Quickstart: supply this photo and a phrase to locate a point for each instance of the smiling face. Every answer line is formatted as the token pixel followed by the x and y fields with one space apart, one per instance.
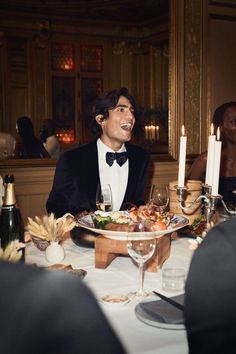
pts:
pixel 229 124
pixel 117 127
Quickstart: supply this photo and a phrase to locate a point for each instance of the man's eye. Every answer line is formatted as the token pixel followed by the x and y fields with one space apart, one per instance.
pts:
pixel 121 109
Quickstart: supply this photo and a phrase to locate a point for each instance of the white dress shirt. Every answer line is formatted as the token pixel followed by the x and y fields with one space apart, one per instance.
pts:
pixel 115 175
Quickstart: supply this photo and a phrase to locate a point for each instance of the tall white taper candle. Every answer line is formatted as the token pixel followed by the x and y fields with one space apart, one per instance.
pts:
pixel 217 157
pixel 182 158
pixel 210 157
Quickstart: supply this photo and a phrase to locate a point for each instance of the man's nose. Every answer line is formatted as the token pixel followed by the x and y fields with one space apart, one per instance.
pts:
pixel 130 114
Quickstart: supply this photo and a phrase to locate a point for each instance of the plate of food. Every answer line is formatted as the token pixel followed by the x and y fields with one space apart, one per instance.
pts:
pixel 117 225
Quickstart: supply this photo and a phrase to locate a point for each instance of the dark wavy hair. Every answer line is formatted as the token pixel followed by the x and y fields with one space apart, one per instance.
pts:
pixel 218 116
pixel 25 127
pixel 29 146
pixel 104 103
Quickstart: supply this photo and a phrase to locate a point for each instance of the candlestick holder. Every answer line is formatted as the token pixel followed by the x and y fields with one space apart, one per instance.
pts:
pixel 209 203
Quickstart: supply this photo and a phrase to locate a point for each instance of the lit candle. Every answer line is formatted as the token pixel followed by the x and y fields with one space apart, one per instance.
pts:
pixel 182 158
pixel 146 132
pixel 157 132
pixel 217 157
pixel 210 157
pixel 149 133
pixel 153 132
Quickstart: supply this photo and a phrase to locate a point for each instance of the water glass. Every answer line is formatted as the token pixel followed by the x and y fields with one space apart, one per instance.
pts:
pixel 173 279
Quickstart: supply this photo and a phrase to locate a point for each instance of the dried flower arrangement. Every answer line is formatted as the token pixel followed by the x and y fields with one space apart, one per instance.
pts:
pixel 49 228
pixel 12 252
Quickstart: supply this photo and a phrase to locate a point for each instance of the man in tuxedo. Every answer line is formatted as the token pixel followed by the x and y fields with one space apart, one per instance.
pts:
pixel 52 312
pixel 80 170
pixel 210 306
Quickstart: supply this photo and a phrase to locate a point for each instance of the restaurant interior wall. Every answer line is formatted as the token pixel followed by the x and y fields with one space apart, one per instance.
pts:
pixel 102 58
pixel 201 77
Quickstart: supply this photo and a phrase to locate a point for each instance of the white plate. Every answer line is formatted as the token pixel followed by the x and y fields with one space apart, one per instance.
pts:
pixel 177 222
pixel 153 316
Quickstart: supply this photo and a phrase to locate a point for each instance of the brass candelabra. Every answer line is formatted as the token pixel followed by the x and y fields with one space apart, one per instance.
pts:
pixel 210 202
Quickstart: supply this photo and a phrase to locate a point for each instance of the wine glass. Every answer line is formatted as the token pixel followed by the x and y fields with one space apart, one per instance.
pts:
pixel 159 197
pixel 140 250
pixel 104 197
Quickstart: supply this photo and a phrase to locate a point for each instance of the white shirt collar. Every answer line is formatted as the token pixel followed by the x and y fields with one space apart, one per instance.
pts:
pixel 104 148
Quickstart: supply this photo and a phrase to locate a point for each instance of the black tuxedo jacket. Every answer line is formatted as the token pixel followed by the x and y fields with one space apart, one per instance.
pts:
pixel 52 312
pixel 210 294
pixel 77 176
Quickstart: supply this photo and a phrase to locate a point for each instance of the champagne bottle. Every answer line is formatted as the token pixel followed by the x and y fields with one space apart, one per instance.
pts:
pixel 11 222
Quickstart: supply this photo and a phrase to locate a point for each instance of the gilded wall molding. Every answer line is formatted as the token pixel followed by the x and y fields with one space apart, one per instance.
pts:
pixel 192 73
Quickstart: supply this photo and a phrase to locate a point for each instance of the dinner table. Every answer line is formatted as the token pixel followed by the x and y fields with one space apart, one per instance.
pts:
pixel 121 277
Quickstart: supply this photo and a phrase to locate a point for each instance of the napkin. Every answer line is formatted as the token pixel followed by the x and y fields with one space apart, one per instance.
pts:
pixel 162 311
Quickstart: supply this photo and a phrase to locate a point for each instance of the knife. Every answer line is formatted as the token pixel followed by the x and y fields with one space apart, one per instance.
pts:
pixel 170 301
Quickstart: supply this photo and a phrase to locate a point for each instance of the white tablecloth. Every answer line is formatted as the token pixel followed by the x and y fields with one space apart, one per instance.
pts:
pixel 121 277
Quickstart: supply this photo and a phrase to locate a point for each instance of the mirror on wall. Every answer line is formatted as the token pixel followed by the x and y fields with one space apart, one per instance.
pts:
pixel 39 81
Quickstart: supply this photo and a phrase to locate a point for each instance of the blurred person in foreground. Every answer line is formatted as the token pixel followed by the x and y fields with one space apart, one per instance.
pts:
pixel 80 170
pixel 225 118
pixel 49 138
pixel 50 311
pixel 210 293
pixel 28 146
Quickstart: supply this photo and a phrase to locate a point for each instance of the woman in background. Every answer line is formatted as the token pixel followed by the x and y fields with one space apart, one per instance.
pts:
pixel 28 147
pixel 49 139
pixel 224 118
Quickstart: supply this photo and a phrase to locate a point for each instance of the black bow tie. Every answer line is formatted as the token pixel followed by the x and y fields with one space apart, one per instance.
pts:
pixel 120 157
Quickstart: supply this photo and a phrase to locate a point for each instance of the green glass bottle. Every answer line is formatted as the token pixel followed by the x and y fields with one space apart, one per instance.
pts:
pixel 11 222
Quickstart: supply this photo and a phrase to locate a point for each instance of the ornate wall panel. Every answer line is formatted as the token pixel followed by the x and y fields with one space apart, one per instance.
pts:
pixel 18 80
pixel 3 74
pixel 192 72
pixel 63 105
pixel 39 83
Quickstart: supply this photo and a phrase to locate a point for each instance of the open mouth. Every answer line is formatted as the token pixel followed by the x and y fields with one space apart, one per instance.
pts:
pixel 127 126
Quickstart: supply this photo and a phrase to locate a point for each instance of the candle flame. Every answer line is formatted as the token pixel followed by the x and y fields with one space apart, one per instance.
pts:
pixel 212 129
pixel 218 133
pixel 183 130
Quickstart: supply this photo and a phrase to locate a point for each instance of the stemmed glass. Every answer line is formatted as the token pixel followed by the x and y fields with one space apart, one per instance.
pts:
pixel 104 197
pixel 140 250
pixel 159 197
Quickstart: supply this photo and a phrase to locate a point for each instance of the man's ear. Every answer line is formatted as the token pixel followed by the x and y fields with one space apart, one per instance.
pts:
pixel 99 118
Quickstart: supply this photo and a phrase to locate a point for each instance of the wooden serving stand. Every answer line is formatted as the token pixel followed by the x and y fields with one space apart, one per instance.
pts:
pixel 107 249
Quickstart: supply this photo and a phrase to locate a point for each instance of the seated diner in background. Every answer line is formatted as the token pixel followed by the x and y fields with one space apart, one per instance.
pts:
pixel 50 311
pixel 49 138
pixel 210 292
pixel 79 171
pixel 7 146
pixel 224 118
pixel 28 146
